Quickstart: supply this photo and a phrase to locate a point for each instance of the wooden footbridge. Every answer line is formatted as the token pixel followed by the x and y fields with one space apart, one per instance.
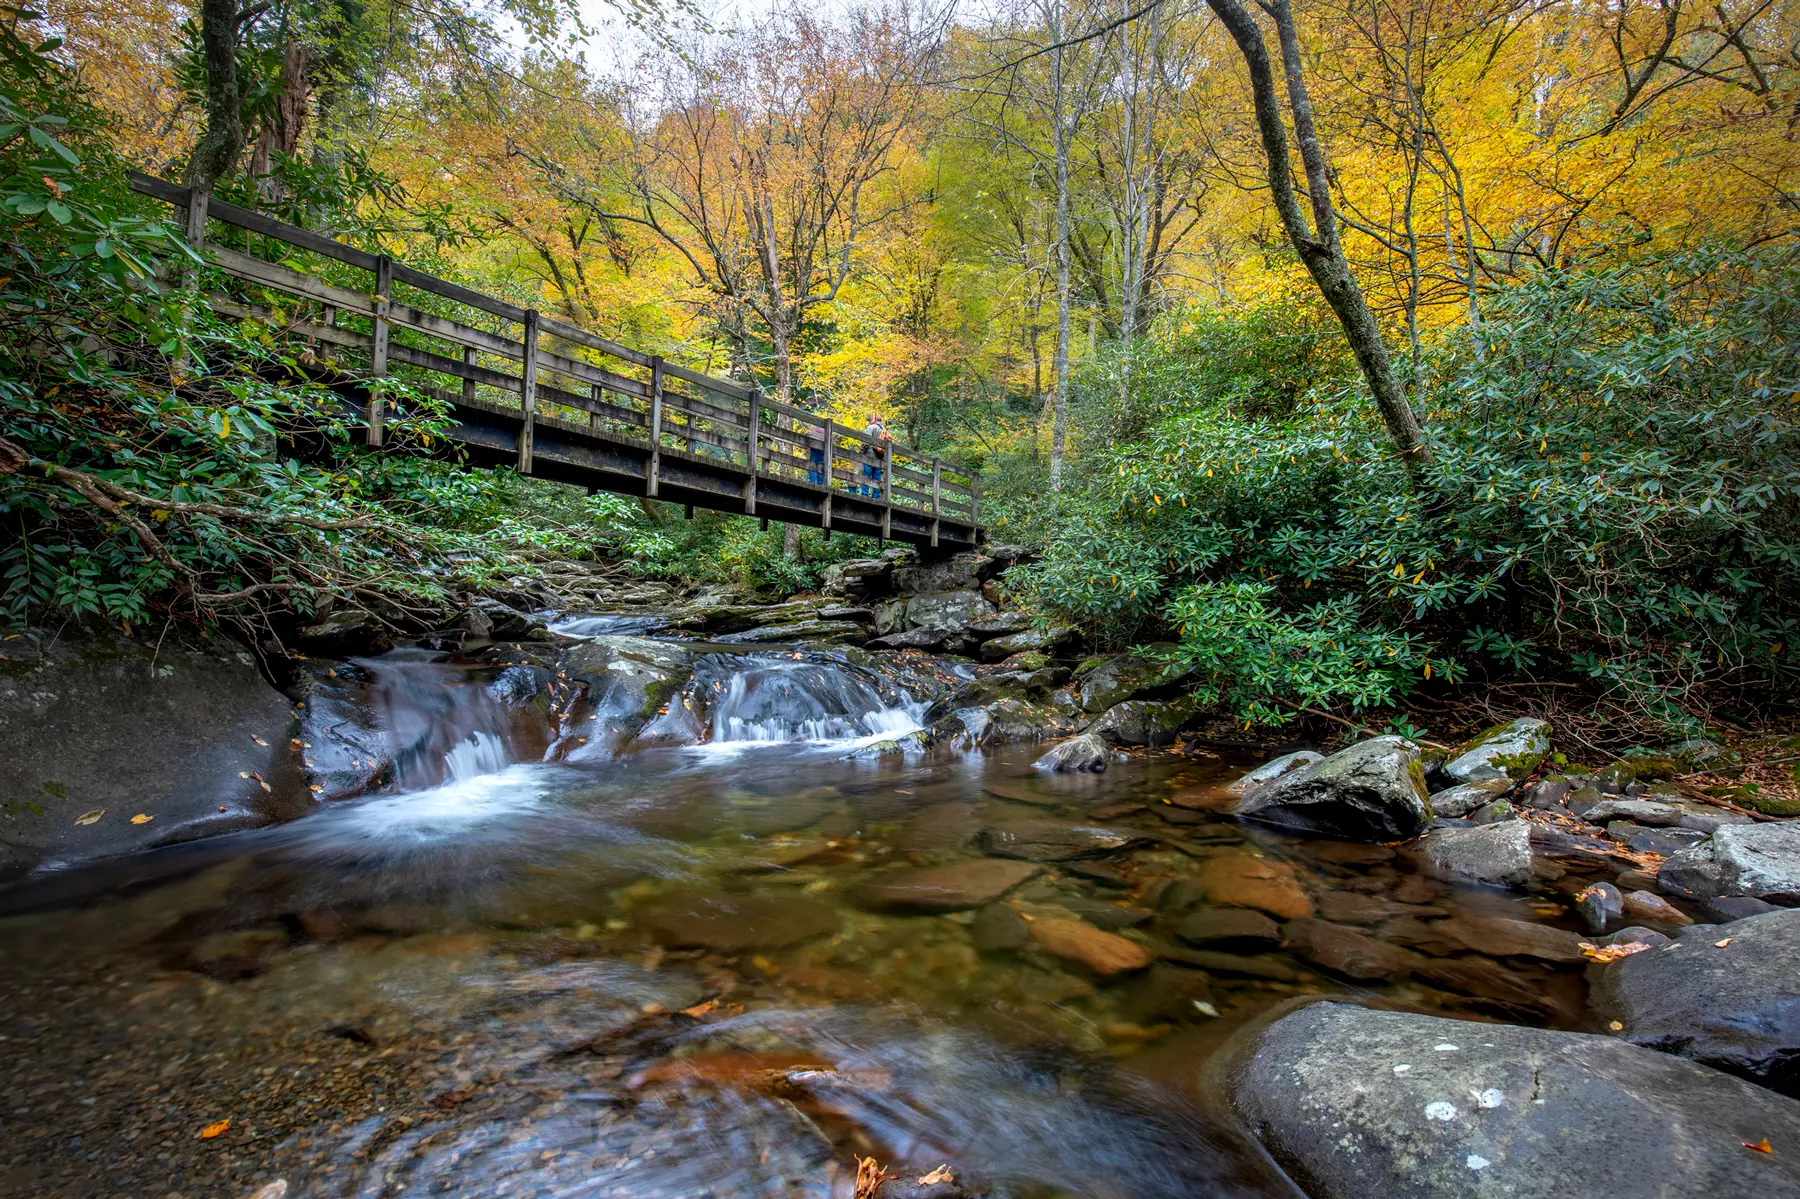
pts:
pixel 563 404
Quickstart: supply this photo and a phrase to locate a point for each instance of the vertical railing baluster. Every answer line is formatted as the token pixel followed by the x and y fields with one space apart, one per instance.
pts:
pixel 378 362
pixel 528 392
pixel 653 479
pixel 830 482
pixel 755 436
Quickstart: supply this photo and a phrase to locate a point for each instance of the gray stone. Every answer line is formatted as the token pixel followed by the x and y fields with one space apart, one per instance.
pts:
pixel 949 610
pixel 814 632
pixel 927 639
pixel 1050 642
pixel 1494 813
pixel 998 928
pixel 1712 821
pixel 349 633
pixel 627 680
pixel 969 883
pixel 1663 840
pixel 180 733
pixel 1734 1005
pixel 1456 802
pixel 1647 812
pixel 1053 840
pixel 714 620
pixel 1357 1104
pixel 1084 753
pixel 506 623
pixel 1550 793
pixel 1372 791
pixel 1600 905
pixel 1144 722
pixel 1511 751
pixel 1724 909
pixel 859 577
pixel 960 572
pixel 1635 934
pixel 1269 771
pixel 1003 625
pixel 1119 678
pixel 1761 860
pixel 889 616
pixel 1345 950
pixel 1002 722
pixel 1229 926
pixel 1699 753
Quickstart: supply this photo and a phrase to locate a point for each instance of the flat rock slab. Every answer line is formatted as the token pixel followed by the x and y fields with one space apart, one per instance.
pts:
pixel 1102 952
pixel 737 923
pixel 1228 926
pixel 1053 841
pixel 1734 1005
pixel 1498 936
pixel 1357 1104
pixel 1346 951
pixel 1760 860
pixel 947 888
pixel 1239 880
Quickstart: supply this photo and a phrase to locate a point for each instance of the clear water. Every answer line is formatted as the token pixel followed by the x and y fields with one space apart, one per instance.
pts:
pixel 647 975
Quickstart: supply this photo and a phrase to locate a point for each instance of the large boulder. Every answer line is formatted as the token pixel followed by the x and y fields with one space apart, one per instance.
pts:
pixel 1000 722
pixel 1729 997
pixel 1372 791
pixel 1144 722
pixel 861 578
pixel 1760 860
pixel 960 572
pixel 1496 854
pixel 946 609
pixel 95 734
pixel 1357 1103
pixel 1508 751
pixel 1084 753
pixel 351 632
pixel 1273 769
pixel 628 681
pixel 1122 677
pixel 1050 642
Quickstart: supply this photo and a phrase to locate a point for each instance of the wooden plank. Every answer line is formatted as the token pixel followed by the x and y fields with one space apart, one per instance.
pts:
pixel 654 483
pixel 593 341
pixel 528 393
pixel 975 500
pixel 384 284
pixel 825 513
pixel 413 277
pixel 281 278
pixel 754 445
pixel 735 390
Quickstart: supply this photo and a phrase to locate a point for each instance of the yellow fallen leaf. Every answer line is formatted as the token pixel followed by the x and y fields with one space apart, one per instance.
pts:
pixel 92 817
pixel 140 818
pixel 257 739
pixel 1611 953
pixel 1616 1026
pixel 941 1174
pixel 1722 944
pixel 216 1128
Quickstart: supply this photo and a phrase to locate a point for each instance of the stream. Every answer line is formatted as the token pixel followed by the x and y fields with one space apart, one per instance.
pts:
pixel 533 965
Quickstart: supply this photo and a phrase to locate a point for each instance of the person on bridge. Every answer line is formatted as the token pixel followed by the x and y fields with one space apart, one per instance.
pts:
pixel 879 437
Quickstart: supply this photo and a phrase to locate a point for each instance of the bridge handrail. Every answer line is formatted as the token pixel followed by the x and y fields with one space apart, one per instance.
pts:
pixel 821 434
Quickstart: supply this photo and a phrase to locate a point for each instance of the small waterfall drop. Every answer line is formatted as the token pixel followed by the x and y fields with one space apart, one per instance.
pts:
pixel 759 699
pixel 445 725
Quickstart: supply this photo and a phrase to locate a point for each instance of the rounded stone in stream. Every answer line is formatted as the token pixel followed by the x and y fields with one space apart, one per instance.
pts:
pixel 1453 803
pixel 737 923
pixel 1373 791
pixel 1240 880
pixel 1229 926
pixel 1102 952
pixel 1509 751
pixel 1497 854
pixel 1084 753
pixel 1734 1005
pixel 947 888
pixel 1358 1103
pixel 1271 770
pixel 1053 841
pixel 1599 905
pixel 1346 951
pixel 998 928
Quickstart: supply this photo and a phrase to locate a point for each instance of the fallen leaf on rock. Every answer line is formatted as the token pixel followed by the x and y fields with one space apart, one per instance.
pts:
pixel 92 817
pixel 700 1009
pixel 941 1174
pixel 259 781
pixel 1722 944
pixel 258 740
pixel 869 1176
pixel 1761 1146
pixel 216 1128
pixel 1611 953
pixel 140 818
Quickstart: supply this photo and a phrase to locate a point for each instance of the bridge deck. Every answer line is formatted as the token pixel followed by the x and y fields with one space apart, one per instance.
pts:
pixel 533 395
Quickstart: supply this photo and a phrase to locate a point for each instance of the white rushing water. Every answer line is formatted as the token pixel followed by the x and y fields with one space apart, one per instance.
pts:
pixel 776 701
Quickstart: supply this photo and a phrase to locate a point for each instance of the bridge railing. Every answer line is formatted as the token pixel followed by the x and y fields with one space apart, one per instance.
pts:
pixel 507 358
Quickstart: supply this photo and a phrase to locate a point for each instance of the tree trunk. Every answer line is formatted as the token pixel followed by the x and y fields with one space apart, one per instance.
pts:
pixel 1318 246
pixel 218 149
pixel 1059 426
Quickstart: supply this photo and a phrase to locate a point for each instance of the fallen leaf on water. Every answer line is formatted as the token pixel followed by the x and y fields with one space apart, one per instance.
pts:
pixel 1611 953
pixel 941 1174
pixel 92 817
pixel 1761 1146
pixel 216 1128
pixel 275 1190
pixel 1722 944
pixel 243 774
pixel 140 818
pixel 258 740
pixel 700 1009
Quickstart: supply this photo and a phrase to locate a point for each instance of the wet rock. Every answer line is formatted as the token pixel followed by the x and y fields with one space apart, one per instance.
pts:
pixel 346 633
pixel 1097 872
pixel 1456 802
pixel 948 610
pixel 1646 812
pixel 1510 751
pixel 1372 791
pixel 1635 934
pixel 103 731
pixel 811 632
pixel 897 747
pixel 1120 678
pixel 1646 905
pixel 1236 927
pixel 1600 905
pixel 1239 880
pixel 1144 722
pixel 1001 722
pixel 737 923
pixel 913 1188
pixel 1269 771
pixel 1735 1006
pixel 1170 993
pixel 1351 907
pixel 1494 813
pixel 506 623
pixel 859 577
pixel 1724 909
pixel 1499 936
pixel 231 956
pixel 1495 854
pixel 1760 860
pixel 1102 952
pixel 1345 951
pixel 1084 753
pixel 1359 1103
pixel 627 680
pixel 345 746
pixel 1213 961
pixel 1659 840
pixel 1547 794
pixel 1003 625
pixel 1485 979
pixel 1053 841
pixel 928 639
pixel 998 928
pixel 713 620
pixel 948 888
pixel 1053 642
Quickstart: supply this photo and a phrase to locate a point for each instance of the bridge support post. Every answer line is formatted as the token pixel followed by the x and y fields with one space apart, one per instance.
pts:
pixel 754 447
pixel 974 504
pixel 653 477
pixel 936 486
pixel 468 390
pixel 825 514
pixel 884 454
pixel 528 391
pixel 378 358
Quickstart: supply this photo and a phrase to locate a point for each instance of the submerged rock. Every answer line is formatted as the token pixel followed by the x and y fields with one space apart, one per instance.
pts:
pixel 1734 1005
pixel 1510 751
pixel 1372 791
pixel 1238 927
pixel 1496 854
pixel 1759 860
pixel 1100 951
pixel 1239 880
pixel 1084 753
pixel 947 888
pixel 1357 1103
pixel 1053 841
pixel 737 923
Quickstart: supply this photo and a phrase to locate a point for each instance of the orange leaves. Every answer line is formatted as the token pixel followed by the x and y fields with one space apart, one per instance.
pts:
pixel 216 1129
pixel 1761 1146
pixel 1611 953
pixel 140 818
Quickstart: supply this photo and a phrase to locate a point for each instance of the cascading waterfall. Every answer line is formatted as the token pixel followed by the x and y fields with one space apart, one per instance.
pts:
pixel 444 726
pixel 803 697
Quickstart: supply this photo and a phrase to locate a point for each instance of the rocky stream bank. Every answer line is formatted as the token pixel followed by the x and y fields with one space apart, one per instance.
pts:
pixel 1384 969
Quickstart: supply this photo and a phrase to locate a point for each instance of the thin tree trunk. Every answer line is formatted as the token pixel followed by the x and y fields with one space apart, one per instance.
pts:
pixel 218 148
pixel 1059 427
